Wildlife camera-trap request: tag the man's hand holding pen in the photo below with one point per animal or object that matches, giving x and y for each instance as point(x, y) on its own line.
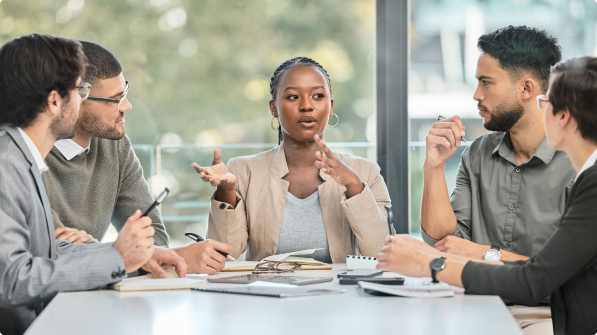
point(442, 141)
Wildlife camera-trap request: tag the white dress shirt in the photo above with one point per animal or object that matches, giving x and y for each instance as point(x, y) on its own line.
point(39, 161)
point(70, 149)
point(590, 162)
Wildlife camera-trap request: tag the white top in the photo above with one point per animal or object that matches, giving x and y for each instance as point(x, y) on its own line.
point(590, 162)
point(70, 149)
point(39, 161)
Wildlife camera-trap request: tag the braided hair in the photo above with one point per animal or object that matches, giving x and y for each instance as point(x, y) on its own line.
point(275, 79)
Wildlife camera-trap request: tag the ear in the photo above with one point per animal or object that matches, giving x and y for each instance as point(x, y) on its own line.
point(332, 107)
point(530, 88)
point(272, 108)
point(564, 118)
point(54, 104)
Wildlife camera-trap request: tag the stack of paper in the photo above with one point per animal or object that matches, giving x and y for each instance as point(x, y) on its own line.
point(306, 263)
point(421, 289)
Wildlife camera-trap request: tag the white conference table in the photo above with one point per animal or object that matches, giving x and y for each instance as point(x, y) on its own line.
point(191, 312)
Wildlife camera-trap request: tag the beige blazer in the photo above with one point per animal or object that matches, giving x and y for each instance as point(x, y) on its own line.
point(355, 225)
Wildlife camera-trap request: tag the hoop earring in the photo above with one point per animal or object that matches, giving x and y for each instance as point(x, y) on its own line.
point(272, 123)
point(338, 120)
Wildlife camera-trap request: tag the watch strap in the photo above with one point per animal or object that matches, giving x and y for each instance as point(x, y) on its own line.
point(495, 247)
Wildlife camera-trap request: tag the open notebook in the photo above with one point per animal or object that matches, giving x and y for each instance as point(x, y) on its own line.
point(306, 263)
point(149, 283)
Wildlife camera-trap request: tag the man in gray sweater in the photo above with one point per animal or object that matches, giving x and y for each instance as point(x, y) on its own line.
point(95, 178)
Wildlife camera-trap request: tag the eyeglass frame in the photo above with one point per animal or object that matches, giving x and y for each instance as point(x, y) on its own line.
point(263, 267)
point(84, 85)
point(542, 98)
point(117, 101)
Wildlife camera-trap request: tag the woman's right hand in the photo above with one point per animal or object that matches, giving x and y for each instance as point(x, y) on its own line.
point(217, 174)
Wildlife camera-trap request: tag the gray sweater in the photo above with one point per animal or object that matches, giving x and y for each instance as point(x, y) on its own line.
point(96, 188)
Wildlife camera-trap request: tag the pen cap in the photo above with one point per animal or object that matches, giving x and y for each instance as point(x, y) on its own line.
point(163, 195)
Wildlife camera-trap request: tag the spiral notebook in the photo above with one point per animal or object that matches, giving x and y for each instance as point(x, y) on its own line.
point(361, 263)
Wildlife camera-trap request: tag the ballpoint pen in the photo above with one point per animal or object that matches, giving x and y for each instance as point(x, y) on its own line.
point(157, 201)
point(439, 118)
point(198, 238)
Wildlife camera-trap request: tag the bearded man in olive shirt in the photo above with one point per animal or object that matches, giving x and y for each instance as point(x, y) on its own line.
point(511, 188)
point(95, 179)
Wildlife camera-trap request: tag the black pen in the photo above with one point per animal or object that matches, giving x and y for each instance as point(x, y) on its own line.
point(198, 238)
point(390, 218)
point(440, 118)
point(157, 201)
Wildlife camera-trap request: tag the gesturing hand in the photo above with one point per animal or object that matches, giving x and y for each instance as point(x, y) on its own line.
point(217, 174)
point(329, 164)
point(135, 242)
point(442, 141)
point(73, 235)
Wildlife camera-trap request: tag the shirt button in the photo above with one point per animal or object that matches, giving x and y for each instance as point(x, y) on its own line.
point(517, 169)
point(511, 206)
point(507, 245)
point(222, 206)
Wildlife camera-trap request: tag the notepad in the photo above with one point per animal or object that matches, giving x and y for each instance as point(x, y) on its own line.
point(150, 283)
point(361, 263)
point(420, 289)
point(306, 263)
point(132, 284)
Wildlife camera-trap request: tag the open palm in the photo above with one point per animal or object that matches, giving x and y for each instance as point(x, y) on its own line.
point(217, 174)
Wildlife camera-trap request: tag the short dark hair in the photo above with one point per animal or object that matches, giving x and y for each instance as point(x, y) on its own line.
point(31, 67)
point(575, 86)
point(275, 79)
point(523, 49)
point(101, 63)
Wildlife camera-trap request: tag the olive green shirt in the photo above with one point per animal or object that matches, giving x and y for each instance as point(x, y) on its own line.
point(500, 202)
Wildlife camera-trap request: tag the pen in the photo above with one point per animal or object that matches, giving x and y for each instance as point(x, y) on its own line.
point(439, 118)
point(157, 201)
point(390, 218)
point(198, 238)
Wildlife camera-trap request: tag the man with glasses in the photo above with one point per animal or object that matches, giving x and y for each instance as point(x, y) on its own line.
point(40, 95)
point(96, 179)
point(511, 188)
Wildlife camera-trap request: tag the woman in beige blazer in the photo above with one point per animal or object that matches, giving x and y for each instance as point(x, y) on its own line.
point(253, 192)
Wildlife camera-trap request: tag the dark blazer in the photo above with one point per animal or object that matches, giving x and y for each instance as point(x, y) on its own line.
point(34, 267)
point(566, 266)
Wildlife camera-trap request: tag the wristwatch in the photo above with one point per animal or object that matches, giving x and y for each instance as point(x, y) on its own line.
point(493, 254)
point(437, 264)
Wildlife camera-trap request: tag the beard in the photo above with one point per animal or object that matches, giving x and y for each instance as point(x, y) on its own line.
point(505, 115)
point(94, 126)
point(63, 127)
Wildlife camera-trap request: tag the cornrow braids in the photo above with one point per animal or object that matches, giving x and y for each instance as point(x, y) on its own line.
point(275, 79)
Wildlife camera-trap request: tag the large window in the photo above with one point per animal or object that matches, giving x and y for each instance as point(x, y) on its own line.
point(199, 73)
point(444, 55)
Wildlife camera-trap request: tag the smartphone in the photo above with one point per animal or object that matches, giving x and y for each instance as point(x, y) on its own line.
point(385, 281)
point(355, 274)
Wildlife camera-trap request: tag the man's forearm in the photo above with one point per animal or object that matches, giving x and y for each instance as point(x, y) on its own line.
point(437, 216)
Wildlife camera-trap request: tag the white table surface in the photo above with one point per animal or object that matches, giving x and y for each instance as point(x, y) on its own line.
point(192, 312)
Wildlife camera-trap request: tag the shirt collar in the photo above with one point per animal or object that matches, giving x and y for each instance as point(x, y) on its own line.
point(39, 161)
point(590, 162)
point(70, 149)
point(543, 152)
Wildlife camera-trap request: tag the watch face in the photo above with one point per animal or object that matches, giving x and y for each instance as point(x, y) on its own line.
point(438, 264)
point(492, 255)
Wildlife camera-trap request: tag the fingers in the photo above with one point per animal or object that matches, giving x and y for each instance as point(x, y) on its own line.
point(217, 157)
point(155, 269)
point(59, 231)
point(220, 246)
point(168, 256)
point(198, 168)
point(443, 137)
point(135, 217)
point(324, 148)
point(453, 123)
point(389, 240)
